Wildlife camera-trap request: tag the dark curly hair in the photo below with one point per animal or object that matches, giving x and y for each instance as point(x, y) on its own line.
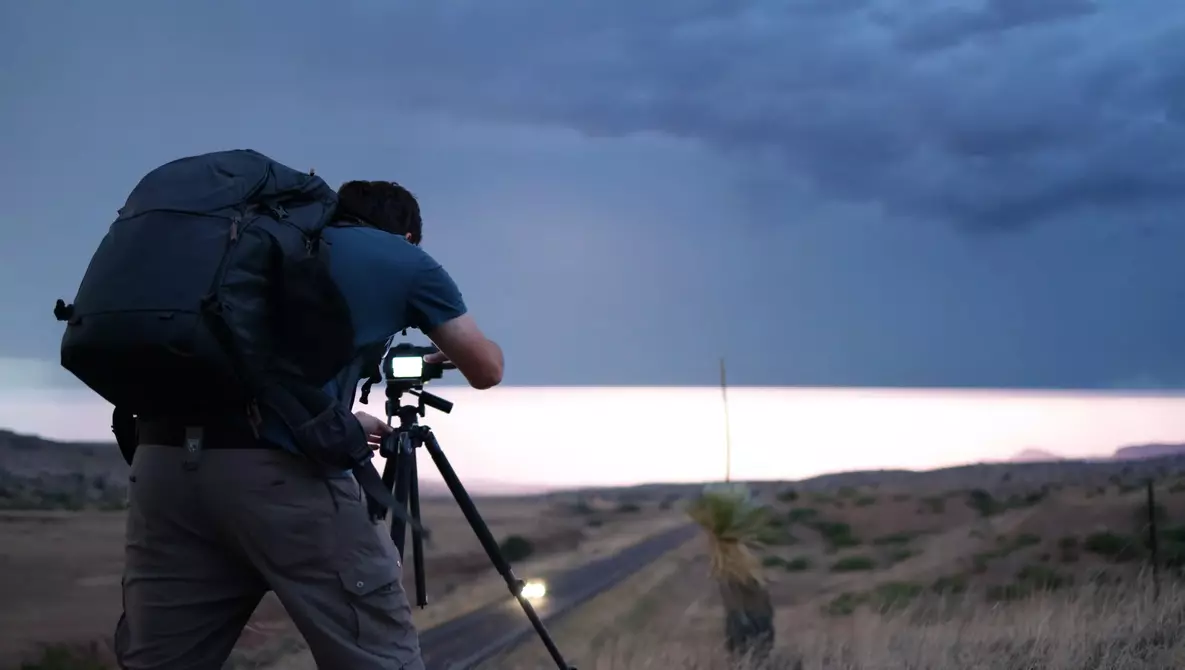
point(381, 204)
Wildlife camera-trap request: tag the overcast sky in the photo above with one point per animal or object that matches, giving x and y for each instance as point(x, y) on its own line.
point(827, 192)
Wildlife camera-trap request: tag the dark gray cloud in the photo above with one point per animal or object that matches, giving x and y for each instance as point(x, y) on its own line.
point(626, 191)
point(988, 114)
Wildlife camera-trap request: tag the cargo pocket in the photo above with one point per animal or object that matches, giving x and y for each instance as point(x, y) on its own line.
point(382, 615)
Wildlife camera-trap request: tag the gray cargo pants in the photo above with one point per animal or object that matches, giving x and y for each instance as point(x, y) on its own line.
point(204, 545)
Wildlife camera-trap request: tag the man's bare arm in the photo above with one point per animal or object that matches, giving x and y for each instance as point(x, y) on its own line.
point(477, 357)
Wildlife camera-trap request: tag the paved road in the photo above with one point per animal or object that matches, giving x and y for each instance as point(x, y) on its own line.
point(468, 640)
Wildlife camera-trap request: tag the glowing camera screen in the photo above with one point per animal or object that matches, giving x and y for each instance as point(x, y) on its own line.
point(405, 367)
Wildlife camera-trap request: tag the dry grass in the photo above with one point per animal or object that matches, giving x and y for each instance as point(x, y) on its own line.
point(675, 625)
point(1100, 615)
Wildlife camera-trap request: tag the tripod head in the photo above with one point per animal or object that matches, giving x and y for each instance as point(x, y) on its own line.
point(405, 371)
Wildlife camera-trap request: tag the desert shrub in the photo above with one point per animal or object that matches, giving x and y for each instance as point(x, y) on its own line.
point(1177, 487)
point(853, 564)
point(62, 657)
point(899, 554)
point(1025, 540)
point(1030, 499)
point(1008, 592)
point(516, 548)
point(595, 522)
point(949, 584)
point(894, 595)
point(799, 514)
point(773, 561)
point(982, 502)
point(1112, 546)
point(933, 504)
point(1042, 577)
point(629, 508)
point(1173, 534)
point(581, 507)
point(787, 495)
point(865, 501)
point(843, 604)
point(901, 497)
point(837, 534)
point(798, 564)
point(847, 492)
point(777, 536)
point(894, 539)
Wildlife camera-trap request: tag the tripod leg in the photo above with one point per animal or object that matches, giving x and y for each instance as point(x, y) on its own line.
point(417, 538)
point(391, 467)
point(403, 471)
point(490, 544)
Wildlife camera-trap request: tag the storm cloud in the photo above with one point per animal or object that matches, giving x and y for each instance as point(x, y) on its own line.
point(627, 190)
point(986, 115)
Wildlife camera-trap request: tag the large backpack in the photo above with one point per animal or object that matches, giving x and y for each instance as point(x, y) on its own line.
point(210, 296)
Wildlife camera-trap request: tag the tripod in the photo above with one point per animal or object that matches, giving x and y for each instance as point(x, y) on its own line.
point(400, 472)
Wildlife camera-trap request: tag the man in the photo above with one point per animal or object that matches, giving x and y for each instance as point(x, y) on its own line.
point(204, 545)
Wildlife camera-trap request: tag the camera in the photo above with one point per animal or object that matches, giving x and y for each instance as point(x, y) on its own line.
point(404, 366)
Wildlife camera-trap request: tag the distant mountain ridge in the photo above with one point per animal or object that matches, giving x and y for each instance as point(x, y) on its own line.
point(1142, 451)
point(1133, 452)
point(1035, 456)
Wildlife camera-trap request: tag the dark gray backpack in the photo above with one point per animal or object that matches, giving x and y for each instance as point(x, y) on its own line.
point(210, 296)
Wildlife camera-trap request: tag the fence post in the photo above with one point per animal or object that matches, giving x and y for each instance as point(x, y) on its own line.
point(1153, 543)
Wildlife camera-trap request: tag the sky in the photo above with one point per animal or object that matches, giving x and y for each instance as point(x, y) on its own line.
point(828, 193)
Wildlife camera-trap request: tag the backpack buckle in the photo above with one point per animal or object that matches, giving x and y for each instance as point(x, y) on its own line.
point(193, 447)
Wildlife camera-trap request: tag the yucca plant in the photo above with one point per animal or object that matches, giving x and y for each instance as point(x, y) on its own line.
point(735, 526)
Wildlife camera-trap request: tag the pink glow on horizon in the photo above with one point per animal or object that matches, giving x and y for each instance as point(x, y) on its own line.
point(624, 435)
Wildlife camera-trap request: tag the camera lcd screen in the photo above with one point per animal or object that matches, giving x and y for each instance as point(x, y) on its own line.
point(405, 367)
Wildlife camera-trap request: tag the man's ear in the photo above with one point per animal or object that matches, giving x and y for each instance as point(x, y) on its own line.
point(407, 236)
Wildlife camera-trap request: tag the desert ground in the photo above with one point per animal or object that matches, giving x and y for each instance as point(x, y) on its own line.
point(989, 566)
point(61, 569)
point(867, 576)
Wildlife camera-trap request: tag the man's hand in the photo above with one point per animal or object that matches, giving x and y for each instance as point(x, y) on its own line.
point(376, 429)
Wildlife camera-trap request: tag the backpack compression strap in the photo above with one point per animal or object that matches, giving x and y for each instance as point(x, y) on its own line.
point(332, 438)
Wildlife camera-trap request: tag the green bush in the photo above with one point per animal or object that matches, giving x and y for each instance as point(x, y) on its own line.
point(629, 508)
point(787, 495)
point(894, 595)
point(949, 584)
point(837, 534)
point(516, 548)
point(799, 564)
point(843, 604)
point(773, 561)
point(1043, 578)
point(800, 514)
point(865, 501)
point(1113, 546)
point(933, 504)
point(894, 539)
point(853, 564)
point(61, 657)
point(981, 501)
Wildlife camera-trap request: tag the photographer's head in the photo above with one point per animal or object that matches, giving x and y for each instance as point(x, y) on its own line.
point(384, 205)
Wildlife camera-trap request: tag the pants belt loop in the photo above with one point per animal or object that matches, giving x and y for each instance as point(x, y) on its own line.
point(193, 447)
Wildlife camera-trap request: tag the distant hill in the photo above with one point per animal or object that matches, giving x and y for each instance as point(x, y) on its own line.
point(1143, 451)
point(1035, 456)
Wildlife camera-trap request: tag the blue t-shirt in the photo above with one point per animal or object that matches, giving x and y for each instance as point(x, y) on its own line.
point(389, 284)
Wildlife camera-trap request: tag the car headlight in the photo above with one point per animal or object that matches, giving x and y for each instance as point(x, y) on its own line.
point(534, 590)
